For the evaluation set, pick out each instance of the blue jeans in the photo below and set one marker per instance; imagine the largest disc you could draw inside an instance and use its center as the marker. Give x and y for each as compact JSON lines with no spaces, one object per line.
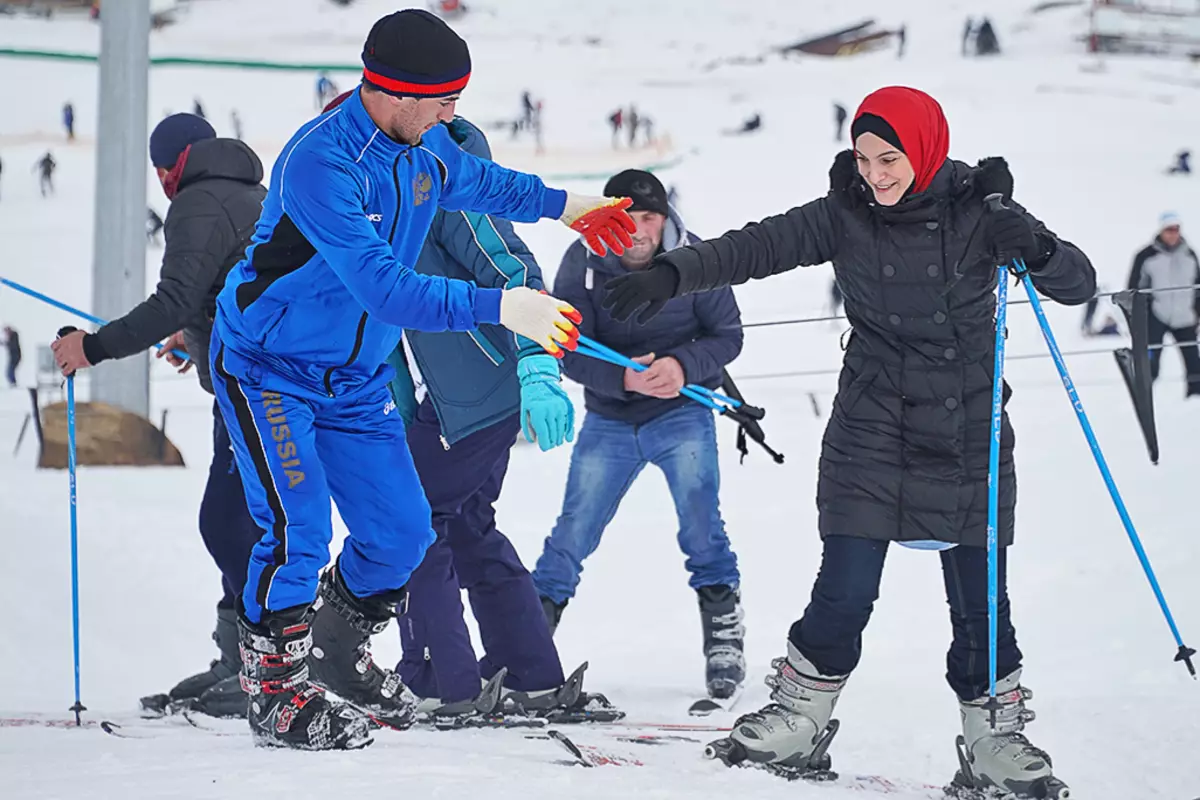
{"x":608,"y":457}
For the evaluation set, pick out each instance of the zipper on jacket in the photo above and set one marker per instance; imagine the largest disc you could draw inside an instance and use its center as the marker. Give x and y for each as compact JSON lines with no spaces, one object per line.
{"x":483,"y":349}
{"x":358,"y":340}
{"x":362,"y":321}
{"x":445,"y":444}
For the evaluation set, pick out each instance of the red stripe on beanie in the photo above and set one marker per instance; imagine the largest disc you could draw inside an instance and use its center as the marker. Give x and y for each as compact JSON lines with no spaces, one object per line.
{"x":919,"y":122}
{"x":416,"y":89}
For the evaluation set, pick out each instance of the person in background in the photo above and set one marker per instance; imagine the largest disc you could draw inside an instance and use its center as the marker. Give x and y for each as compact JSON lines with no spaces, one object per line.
{"x":968,"y":32}
{"x":1182,"y":165}
{"x":235,"y":119}
{"x":633,"y":124}
{"x":154,"y":226}
{"x":1168,"y":267}
{"x":12,"y":344}
{"x":638,"y":418}
{"x":902,"y":39}
{"x":215,"y":193}
{"x":839,"y":121}
{"x":68,"y":118}
{"x":198,"y":109}
{"x":616,"y":121}
{"x":45,"y":167}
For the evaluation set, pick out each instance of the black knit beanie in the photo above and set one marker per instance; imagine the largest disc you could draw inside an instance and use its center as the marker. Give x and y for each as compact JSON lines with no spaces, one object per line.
{"x":413,"y":53}
{"x":873,"y":123}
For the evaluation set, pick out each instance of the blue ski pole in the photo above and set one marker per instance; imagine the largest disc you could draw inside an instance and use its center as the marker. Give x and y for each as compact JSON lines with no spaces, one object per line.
{"x":1185,"y":653}
{"x":78,"y":707}
{"x":48,"y":300}
{"x":993,"y":555}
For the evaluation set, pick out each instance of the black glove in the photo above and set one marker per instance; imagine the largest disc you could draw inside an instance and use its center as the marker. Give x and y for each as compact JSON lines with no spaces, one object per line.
{"x":654,"y":285}
{"x":1013,"y":237}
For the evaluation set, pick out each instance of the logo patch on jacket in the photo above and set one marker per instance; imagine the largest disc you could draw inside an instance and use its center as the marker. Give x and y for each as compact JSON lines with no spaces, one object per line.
{"x":422,"y":184}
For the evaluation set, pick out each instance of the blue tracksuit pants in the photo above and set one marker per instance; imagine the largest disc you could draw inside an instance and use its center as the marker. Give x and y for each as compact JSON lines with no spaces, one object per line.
{"x":462,"y":484}
{"x":296,"y":452}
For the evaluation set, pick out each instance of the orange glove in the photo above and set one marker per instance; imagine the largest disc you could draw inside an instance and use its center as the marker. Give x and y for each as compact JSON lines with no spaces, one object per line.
{"x":602,"y":221}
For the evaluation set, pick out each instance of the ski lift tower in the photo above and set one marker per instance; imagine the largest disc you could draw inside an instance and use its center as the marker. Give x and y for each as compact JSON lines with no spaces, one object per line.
{"x":119,"y":239}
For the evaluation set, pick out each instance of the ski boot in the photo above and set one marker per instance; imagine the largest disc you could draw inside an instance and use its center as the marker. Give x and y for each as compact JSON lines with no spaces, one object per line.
{"x":721,"y":617}
{"x":791,"y":736}
{"x":224,"y":699}
{"x":221,"y":672}
{"x":285,"y":709}
{"x":553,"y":612}
{"x":564,"y":705}
{"x":341,"y":653}
{"x":1002,"y":758}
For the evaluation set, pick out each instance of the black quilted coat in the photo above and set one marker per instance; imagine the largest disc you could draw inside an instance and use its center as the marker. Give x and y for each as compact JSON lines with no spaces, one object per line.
{"x":905,"y":454}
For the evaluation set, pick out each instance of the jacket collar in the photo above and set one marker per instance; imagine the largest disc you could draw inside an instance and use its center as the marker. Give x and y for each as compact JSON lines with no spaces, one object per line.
{"x":364,"y":134}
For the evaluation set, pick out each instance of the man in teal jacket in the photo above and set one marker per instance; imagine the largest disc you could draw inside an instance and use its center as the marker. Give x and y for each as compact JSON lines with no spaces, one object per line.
{"x":481,"y":388}
{"x":303,"y":328}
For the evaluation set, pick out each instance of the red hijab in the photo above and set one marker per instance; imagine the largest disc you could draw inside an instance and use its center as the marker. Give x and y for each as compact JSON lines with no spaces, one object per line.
{"x":920,"y":124}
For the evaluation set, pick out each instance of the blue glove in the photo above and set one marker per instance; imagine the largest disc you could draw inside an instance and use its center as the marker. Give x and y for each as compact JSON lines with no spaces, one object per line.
{"x":547,"y":416}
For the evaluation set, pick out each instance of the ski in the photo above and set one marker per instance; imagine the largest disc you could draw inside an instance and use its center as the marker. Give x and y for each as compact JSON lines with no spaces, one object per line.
{"x":36,"y":721}
{"x":710,"y":705}
{"x":587,"y":755}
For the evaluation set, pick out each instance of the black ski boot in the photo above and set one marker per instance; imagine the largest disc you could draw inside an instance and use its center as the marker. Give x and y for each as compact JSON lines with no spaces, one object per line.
{"x":724,"y":635}
{"x":341,"y":654}
{"x":223,"y":699}
{"x":223,"y":670}
{"x":285,"y":709}
{"x":553,"y":612}
{"x":563,"y":705}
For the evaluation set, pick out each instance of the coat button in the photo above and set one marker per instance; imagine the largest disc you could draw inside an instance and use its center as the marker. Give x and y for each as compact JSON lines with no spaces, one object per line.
{"x":939,"y":317}
{"x":888,"y":270}
{"x":951,"y":403}
{"x":933,"y":226}
{"x":932,"y":270}
{"x":894,"y":319}
{"x":950,"y":354}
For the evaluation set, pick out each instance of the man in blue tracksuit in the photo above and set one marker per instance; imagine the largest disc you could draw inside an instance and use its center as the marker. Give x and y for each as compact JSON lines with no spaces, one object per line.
{"x":639,"y":418}
{"x":481,"y":388}
{"x":303,"y":328}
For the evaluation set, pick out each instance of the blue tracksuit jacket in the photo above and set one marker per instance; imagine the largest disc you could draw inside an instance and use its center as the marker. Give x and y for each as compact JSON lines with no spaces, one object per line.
{"x":303,"y":328}
{"x":327,"y":283}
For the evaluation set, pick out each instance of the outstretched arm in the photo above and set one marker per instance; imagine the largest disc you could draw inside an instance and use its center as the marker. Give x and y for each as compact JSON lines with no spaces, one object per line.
{"x":804,"y":236}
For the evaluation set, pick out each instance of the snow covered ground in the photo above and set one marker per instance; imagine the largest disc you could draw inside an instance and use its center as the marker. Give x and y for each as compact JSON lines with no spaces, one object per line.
{"x":1087,"y":142}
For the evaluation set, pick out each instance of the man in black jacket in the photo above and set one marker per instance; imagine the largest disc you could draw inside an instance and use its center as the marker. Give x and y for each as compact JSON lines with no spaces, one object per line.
{"x":215,"y":190}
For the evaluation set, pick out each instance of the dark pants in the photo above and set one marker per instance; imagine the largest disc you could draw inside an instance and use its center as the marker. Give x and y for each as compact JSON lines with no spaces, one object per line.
{"x":228,"y":530}
{"x":462,"y":485}
{"x":830,"y":632}
{"x":11,"y":372}
{"x":1186,"y":339}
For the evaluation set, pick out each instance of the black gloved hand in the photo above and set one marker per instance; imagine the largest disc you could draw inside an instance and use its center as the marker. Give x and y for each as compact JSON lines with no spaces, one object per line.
{"x":1013,"y":237}
{"x":654,"y":285}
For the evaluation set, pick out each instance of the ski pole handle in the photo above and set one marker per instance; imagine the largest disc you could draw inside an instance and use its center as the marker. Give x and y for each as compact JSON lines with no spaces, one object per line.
{"x":63,"y":331}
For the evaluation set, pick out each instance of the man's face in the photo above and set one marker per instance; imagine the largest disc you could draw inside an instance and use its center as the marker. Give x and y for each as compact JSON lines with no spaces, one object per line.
{"x":1171,"y":236}
{"x":413,"y":117}
{"x":646,"y":239}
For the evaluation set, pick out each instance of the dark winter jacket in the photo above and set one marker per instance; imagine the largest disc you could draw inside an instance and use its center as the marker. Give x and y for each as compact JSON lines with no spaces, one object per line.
{"x":702,"y":332}
{"x":208,"y":226}
{"x":905,"y":453}
{"x":1158,"y":267}
{"x":471,"y":376}
{"x":13,"y":345}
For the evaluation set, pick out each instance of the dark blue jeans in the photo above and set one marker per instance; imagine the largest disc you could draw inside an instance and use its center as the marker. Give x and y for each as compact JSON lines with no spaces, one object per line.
{"x":462,"y":485}
{"x":609,"y":455}
{"x":830,"y":632}
{"x":228,"y":530}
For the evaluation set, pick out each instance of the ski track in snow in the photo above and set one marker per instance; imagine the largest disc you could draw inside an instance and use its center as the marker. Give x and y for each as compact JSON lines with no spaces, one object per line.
{"x":1087,"y":147}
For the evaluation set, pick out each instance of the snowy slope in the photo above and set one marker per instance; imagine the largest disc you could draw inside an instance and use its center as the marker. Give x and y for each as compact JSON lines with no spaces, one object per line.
{"x":1087,"y":142}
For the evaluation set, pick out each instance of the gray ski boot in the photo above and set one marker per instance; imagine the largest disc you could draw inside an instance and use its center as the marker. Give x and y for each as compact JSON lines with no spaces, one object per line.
{"x":222,"y":671}
{"x":724,"y":634}
{"x":285,"y":709}
{"x":1002,"y":758}
{"x":341,"y":653}
{"x":790,"y":736}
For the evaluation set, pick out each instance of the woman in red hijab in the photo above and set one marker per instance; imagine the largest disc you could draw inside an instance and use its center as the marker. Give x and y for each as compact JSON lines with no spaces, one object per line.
{"x":905,"y":453}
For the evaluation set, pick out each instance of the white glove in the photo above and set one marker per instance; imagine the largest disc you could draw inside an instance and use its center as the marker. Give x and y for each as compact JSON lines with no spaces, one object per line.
{"x":536,"y":315}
